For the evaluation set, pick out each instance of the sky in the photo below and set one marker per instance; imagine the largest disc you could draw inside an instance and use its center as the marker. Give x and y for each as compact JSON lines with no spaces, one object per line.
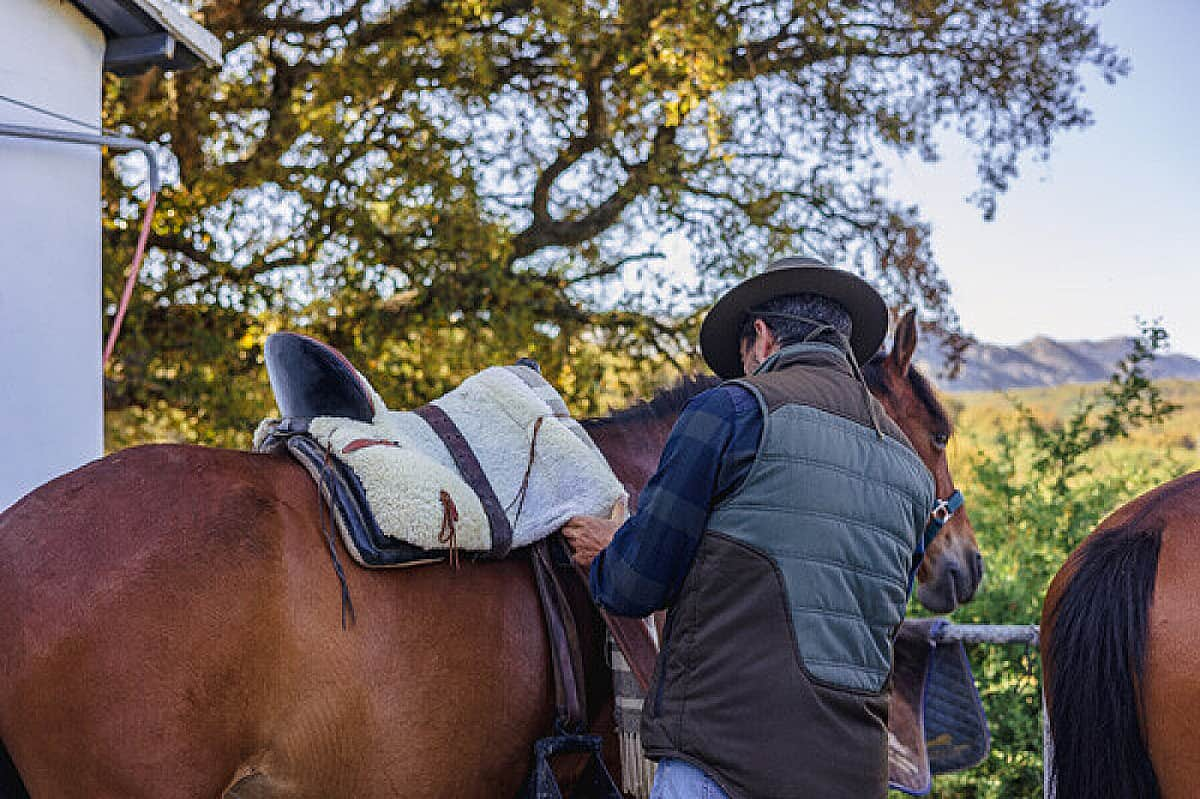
{"x":1104,"y":232}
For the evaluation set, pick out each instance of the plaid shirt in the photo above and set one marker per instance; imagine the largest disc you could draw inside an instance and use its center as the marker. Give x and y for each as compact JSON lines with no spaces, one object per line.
{"x":706,"y":458}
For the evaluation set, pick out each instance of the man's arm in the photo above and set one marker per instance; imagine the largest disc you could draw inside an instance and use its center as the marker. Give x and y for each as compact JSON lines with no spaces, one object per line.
{"x":707,"y":454}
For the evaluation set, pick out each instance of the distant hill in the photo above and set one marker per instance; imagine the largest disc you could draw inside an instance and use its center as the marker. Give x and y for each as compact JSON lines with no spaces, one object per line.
{"x":1044,"y":361}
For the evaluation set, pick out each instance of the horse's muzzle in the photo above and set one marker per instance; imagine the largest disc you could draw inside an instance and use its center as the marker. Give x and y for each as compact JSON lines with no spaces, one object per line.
{"x":954,"y":583}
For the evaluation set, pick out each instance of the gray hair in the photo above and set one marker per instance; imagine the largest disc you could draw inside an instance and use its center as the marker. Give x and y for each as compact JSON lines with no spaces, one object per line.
{"x":775,"y":314}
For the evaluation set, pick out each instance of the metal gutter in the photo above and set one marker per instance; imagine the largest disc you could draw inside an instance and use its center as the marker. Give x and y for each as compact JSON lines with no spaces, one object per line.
{"x":183,"y":29}
{"x":146,"y":33}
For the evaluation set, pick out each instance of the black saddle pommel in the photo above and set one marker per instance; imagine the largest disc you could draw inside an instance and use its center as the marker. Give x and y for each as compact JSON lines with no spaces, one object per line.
{"x":312,"y":379}
{"x":529,"y":363}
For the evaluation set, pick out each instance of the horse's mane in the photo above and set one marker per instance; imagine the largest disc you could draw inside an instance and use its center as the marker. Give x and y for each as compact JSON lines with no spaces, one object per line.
{"x":666,"y":403}
{"x":669,"y":401}
{"x":921,"y":387}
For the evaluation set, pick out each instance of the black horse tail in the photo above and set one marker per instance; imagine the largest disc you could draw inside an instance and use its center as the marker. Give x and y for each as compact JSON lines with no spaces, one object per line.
{"x":11,"y":786}
{"x":1096,"y":653}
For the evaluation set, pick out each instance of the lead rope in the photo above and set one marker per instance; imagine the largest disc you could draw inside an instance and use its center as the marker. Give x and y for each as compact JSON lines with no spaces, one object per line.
{"x":862,"y":381}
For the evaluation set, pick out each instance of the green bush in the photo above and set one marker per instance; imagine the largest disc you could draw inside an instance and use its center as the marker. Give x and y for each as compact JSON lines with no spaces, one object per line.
{"x":1035,"y":487}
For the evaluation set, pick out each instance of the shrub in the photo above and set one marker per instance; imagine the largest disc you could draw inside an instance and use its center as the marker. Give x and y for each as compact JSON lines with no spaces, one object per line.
{"x":1035,"y":488}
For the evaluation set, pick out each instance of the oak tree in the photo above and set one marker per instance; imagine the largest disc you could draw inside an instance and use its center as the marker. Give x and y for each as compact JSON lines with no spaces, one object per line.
{"x":437,"y":185}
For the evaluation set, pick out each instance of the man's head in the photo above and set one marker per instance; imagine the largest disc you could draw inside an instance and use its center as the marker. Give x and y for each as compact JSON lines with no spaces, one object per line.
{"x":755,"y":317}
{"x":786,"y":320}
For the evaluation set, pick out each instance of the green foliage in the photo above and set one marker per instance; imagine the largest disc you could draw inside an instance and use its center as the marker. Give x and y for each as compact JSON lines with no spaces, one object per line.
{"x":423,"y":182}
{"x":1036,"y":484}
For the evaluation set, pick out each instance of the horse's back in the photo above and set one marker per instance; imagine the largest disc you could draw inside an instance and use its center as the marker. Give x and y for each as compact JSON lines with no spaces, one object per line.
{"x":1171,"y":685}
{"x":1130,"y":590}
{"x":178,"y":629}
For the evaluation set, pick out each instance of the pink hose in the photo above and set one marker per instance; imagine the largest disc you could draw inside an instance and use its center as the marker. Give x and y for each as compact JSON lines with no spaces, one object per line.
{"x":134,"y":269}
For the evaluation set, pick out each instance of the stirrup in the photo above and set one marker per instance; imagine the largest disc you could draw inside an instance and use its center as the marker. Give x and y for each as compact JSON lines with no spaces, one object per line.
{"x":594,"y":783}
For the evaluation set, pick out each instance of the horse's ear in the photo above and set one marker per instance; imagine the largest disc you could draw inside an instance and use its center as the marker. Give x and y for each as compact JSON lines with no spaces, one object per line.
{"x":905,"y":342}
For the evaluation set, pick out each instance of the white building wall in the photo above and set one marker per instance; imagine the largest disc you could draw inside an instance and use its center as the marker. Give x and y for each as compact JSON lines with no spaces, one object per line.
{"x":51,"y":400}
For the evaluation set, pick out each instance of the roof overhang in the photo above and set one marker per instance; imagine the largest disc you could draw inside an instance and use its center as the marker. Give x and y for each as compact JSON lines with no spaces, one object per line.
{"x":149,"y":33}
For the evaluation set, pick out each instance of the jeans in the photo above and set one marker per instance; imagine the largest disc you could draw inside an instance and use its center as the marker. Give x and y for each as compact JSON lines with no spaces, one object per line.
{"x":677,"y":779}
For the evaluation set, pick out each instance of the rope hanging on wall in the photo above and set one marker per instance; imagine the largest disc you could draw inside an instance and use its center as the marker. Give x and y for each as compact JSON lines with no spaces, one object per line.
{"x":135,"y":269}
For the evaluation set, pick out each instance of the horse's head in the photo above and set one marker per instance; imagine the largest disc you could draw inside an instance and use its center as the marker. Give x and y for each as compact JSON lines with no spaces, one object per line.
{"x":953,"y":565}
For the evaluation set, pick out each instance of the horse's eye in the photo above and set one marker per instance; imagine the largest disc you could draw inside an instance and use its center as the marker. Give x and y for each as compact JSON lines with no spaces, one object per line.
{"x":940,"y":440}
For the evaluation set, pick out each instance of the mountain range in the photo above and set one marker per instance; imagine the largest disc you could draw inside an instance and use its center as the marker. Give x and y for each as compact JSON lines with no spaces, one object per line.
{"x":1044,"y":361}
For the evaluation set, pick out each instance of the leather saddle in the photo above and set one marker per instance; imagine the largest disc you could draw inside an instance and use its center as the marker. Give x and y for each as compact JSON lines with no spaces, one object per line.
{"x":312,"y":379}
{"x":936,"y":724}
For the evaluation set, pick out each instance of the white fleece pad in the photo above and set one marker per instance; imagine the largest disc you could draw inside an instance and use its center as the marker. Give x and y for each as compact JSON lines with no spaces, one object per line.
{"x":497,"y":411}
{"x":403,"y":486}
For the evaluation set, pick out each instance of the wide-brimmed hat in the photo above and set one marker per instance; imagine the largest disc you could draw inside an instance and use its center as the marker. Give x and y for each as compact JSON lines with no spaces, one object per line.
{"x":719,"y":335}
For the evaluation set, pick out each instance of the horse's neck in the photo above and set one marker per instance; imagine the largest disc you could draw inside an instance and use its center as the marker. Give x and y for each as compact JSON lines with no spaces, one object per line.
{"x":633,"y":450}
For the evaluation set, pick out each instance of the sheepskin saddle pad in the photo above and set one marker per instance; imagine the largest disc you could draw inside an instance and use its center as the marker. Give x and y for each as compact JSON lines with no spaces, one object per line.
{"x":495,"y":464}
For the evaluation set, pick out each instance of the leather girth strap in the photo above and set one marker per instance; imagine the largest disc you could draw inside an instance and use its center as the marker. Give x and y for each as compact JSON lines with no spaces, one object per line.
{"x":570,"y":734}
{"x":565,"y":654}
{"x":468,"y":466}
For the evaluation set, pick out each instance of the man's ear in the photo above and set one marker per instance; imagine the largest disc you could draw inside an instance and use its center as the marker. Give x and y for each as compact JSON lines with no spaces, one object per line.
{"x":764,"y":340}
{"x":905,"y":342}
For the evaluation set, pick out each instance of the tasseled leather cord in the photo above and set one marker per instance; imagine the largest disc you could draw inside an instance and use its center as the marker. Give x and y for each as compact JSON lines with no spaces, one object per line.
{"x":844,"y":345}
{"x":449,"y":532}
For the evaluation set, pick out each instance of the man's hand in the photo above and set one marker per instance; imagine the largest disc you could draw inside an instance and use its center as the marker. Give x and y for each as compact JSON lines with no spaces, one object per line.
{"x":588,"y":535}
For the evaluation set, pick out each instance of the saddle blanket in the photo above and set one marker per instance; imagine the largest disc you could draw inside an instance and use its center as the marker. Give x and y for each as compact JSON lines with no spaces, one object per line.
{"x":540,"y":465}
{"x":936,"y":724}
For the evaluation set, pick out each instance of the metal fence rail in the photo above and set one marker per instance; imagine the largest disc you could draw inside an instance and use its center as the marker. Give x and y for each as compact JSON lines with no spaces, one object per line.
{"x":1026,"y":634}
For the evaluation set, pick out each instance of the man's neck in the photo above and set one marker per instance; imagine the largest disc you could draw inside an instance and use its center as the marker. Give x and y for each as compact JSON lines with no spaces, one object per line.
{"x":782,"y":355}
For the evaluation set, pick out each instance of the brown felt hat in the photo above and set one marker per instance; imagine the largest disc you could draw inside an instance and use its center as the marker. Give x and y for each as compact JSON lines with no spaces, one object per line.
{"x":719,"y":342}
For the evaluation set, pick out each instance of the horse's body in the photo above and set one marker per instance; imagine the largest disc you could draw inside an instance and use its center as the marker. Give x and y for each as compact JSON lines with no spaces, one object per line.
{"x":1120,"y":643}
{"x":171,"y":628}
{"x":175,"y":647}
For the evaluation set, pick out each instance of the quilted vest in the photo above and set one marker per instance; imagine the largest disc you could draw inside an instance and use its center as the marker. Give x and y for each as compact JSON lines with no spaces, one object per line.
{"x":774,"y":675}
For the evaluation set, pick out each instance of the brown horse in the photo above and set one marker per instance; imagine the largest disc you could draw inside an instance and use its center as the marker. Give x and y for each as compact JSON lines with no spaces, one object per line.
{"x":1119,"y":645}
{"x":171,"y":628}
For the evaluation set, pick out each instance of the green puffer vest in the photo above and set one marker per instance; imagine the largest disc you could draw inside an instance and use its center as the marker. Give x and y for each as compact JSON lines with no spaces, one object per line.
{"x":774,"y":676}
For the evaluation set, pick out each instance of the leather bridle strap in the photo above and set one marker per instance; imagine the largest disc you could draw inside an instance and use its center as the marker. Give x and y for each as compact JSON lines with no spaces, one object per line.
{"x":468,"y":466}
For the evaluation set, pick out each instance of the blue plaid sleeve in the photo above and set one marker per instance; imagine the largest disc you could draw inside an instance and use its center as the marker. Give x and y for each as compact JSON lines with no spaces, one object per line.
{"x":706,"y":457}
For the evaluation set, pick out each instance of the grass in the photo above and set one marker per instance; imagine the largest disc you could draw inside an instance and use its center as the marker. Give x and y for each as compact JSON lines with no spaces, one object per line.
{"x":980,"y":416}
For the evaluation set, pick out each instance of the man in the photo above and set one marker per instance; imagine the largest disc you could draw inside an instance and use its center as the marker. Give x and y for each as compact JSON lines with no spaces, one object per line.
{"x":779,"y":531}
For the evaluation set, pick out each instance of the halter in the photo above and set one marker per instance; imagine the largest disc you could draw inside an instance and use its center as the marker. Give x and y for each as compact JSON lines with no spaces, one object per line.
{"x":943,"y":511}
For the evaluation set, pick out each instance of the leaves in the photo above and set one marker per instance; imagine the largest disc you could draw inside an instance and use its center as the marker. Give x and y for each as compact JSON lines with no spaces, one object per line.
{"x":494,"y":170}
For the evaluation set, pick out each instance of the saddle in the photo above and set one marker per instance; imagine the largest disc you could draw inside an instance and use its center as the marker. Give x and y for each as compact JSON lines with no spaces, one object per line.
{"x":936,"y":724}
{"x":363,"y":456}
{"x":496,"y":464}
